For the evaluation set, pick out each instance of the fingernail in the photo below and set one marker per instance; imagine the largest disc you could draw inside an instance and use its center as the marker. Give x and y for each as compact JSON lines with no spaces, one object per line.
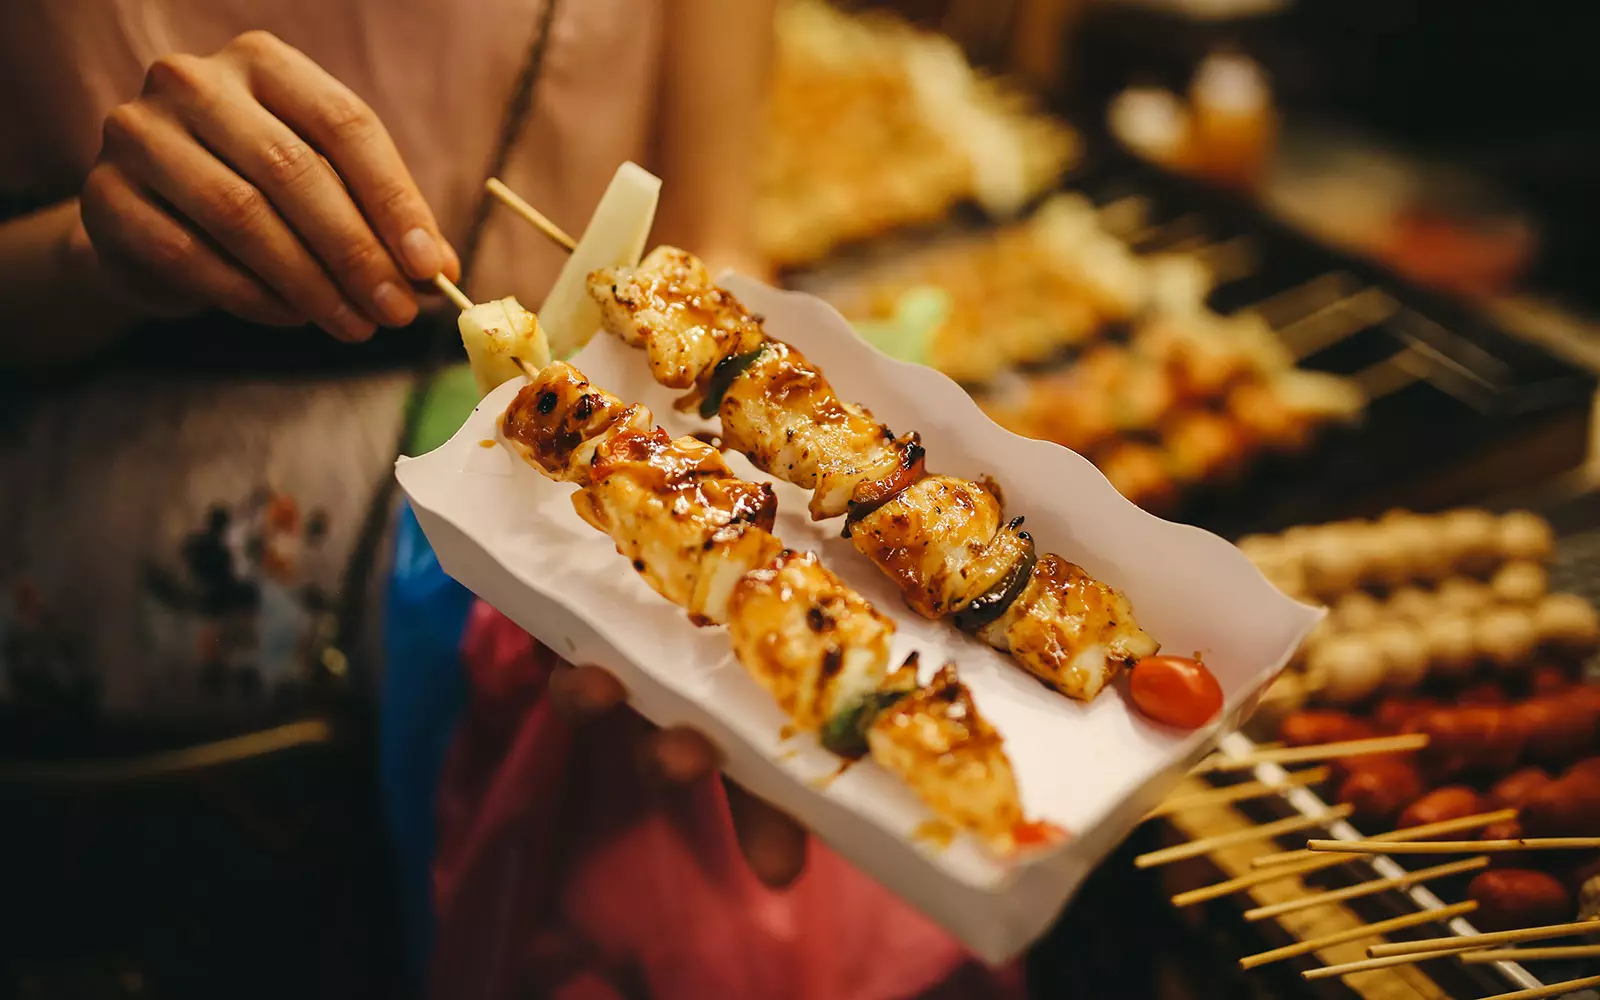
{"x":350,"y":325}
{"x":396,"y":307}
{"x":421,"y":252}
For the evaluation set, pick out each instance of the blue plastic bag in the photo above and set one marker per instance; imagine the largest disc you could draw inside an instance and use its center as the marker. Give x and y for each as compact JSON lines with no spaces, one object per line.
{"x":425,"y":615}
{"x":424,"y":687}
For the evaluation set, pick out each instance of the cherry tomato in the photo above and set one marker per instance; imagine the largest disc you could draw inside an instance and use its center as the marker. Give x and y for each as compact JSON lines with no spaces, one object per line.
{"x":1175,"y":691}
{"x":1037,"y":833}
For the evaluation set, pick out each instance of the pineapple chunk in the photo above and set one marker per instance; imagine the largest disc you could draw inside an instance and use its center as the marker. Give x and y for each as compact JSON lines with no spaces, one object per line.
{"x":496,"y":335}
{"x":615,"y":238}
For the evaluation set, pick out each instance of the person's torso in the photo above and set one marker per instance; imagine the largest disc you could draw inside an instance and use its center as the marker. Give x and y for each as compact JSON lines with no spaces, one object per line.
{"x":438,"y":74}
{"x":174,"y":538}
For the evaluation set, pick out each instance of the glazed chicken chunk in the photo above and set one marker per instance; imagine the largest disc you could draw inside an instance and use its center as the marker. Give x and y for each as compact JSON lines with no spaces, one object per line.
{"x":669,"y":306}
{"x":1069,"y":630}
{"x":817,"y":646}
{"x":944,"y":540}
{"x":702,"y":538}
{"x":937,"y":743}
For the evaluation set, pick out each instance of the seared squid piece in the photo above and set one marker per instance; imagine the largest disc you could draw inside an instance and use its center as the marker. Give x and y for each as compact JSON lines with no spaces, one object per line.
{"x":945,"y":541}
{"x":936,"y":742}
{"x":817,"y":646}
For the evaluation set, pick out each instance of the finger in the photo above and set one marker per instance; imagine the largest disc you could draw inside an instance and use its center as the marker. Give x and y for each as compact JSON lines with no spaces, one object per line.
{"x":307,"y":193}
{"x":161,"y":263}
{"x":678,"y":756}
{"x":580,"y":694}
{"x":157,"y":152}
{"x":345,"y":130}
{"x":773,"y":844}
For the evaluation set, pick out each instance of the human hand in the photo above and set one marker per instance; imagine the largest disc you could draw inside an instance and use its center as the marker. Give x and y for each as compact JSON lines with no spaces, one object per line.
{"x":254,"y":182}
{"x":774,"y":845}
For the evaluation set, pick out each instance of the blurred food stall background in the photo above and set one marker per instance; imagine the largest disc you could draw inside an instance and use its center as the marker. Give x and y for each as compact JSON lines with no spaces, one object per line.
{"x":1245,"y":300}
{"x":1267,"y":263}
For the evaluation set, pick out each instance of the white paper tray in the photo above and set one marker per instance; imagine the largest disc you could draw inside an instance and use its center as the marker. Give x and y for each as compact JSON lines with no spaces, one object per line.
{"x":512,"y":537}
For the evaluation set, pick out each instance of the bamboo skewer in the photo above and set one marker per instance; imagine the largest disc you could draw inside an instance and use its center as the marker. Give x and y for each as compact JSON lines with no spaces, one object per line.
{"x":1304,"y":862}
{"x":1457,"y":825}
{"x":453,"y":293}
{"x":1366,"y":888}
{"x":1320,"y":752}
{"x":1218,"y":890}
{"x":1238,"y":793}
{"x":1532,"y":954}
{"x":1355,"y":933}
{"x":1333,"y":322}
{"x":1229,"y":260}
{"x":1389,"y":376}
{"x":189,"y":760}
{"x":1483,"y":940}
{"x":1452,"y":846}
{"x":1368,"y":964}
{"x":1292,"y":304}
{"x":513,"y":201}
{"x":1552,"y":990}
{"x":1206,"y":845}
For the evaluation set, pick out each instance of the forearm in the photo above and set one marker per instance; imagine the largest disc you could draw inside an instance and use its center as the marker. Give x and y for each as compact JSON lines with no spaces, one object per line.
{"x":713,"y":95}
{"x":55,"y":303}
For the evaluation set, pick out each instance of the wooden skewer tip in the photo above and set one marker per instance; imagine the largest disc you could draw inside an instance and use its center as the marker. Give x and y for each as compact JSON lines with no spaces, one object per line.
{"x":1238,"y":793}
{"x":1239,"y":883}
{"x":1475,"y":822}
{"x":1551,"y":990}
{"x":532,"y":215}
{"x":1368,"y":964}
{"x":1265,"y":831}
{"x":452,"y":292}
{"x":1484,"y":940}
{"x":1365,"y":888}
{"x":1452,"y":846}
{"x":1320,"y":752}
{"x":1554,"y":954}
{"x":1309,"y":945}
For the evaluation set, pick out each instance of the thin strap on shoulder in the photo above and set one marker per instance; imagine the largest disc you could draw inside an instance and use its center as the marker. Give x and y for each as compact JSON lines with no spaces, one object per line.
{"x":355,"y":590}
{"x":519,"y":109}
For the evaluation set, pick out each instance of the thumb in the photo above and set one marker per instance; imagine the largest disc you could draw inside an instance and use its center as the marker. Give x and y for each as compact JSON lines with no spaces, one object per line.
{"x":774,"y":845}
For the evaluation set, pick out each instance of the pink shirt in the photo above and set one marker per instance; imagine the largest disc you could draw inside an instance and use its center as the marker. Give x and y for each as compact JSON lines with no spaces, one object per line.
{"x":561,"y":875}
{"x":438,"y":74}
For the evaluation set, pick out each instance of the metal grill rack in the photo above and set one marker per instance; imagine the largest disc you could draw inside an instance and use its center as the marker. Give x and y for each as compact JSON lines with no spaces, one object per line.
{"x":1576,"y":569}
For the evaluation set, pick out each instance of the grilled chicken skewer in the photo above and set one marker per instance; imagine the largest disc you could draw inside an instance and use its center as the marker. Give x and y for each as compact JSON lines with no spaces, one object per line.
{"x":944,"y":540}
{"x":702,"y":538}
